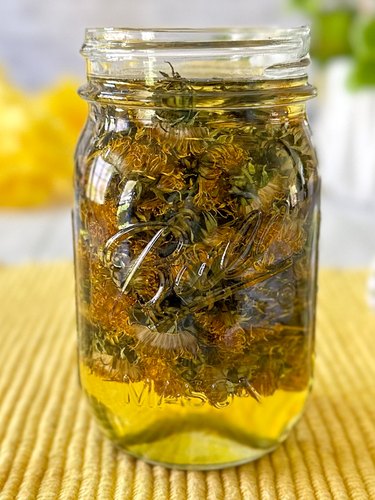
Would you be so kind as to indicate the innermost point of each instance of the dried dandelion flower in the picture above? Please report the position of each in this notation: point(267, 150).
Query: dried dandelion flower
point(116, 369)
point(107, 307)
point(187, 140)
point(218, 157)
point(211, 194)
point(164, 342)
point(164, 378)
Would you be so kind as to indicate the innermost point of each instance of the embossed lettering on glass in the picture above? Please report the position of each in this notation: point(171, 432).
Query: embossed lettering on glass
point(195, 223)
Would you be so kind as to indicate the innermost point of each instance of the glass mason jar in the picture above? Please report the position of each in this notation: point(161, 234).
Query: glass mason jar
point(195, 222)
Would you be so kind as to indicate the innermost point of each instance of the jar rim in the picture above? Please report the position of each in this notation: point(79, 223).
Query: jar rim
point(101, 39)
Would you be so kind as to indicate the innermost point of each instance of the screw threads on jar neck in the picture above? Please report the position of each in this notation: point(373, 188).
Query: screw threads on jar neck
point(210, 68)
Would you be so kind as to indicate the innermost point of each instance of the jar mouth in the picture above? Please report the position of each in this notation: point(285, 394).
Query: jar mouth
point(230, 57)
point(262, 37)
point(251, 53)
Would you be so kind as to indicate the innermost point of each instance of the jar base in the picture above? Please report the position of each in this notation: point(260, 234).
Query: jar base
point(220, 453)
point(190, 433)
point(253, 454)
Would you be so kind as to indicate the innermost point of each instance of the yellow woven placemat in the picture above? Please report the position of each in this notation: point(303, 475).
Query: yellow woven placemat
point(51, 448)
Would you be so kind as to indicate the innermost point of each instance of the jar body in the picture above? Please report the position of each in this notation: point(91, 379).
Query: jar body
point(195, 248)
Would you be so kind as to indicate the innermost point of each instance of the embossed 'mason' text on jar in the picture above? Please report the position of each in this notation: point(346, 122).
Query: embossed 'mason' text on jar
point(195, 223)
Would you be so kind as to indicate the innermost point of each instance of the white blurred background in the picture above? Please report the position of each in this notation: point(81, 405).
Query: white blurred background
point(39, 45)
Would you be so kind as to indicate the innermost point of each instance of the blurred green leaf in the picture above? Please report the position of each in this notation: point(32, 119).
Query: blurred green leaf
point(363, 37)
point(331, 33)
point(338, 29)
point(363, 74)
point(309, 6)
point(363, 42)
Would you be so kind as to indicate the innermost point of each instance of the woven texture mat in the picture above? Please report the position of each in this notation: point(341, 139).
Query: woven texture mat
point(51, 448)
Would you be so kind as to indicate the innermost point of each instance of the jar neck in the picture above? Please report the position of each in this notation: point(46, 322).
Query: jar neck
point(198, 95)
point(200, 69)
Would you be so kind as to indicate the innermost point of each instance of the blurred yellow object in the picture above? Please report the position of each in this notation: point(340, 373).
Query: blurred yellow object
point(37, 141)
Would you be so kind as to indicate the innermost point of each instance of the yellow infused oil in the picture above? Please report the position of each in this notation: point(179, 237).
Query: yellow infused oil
point(189, 431)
